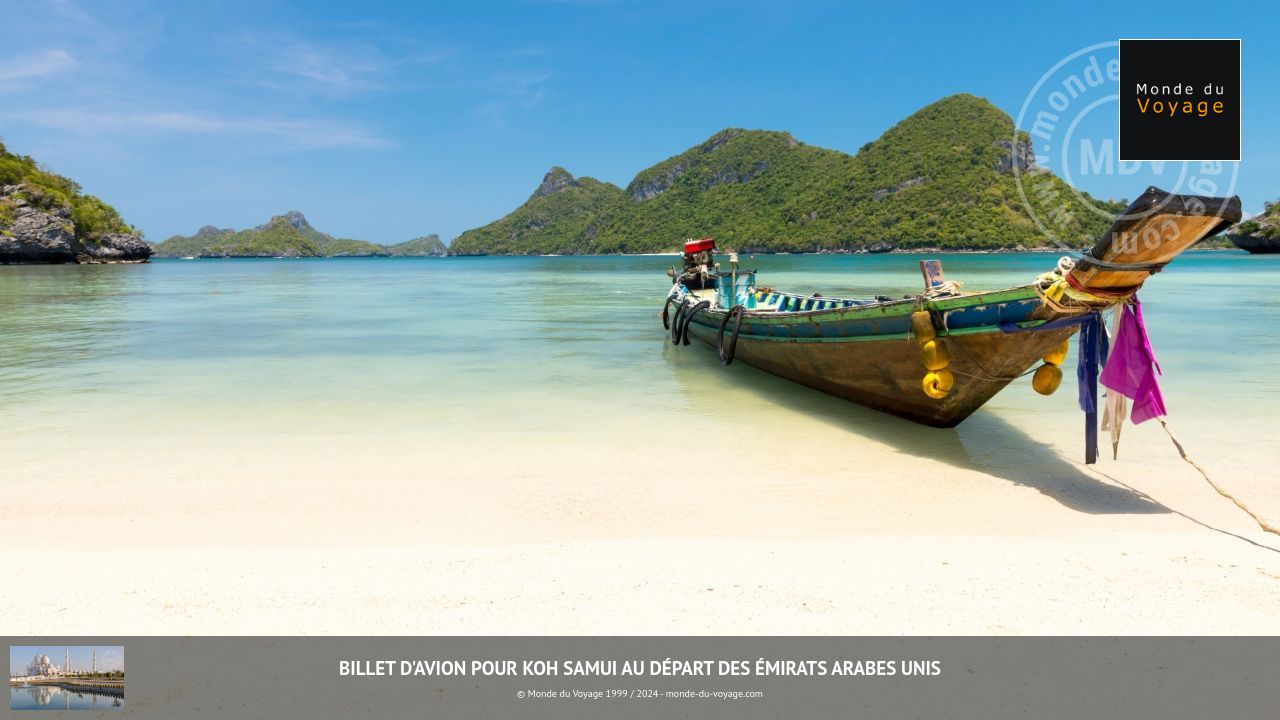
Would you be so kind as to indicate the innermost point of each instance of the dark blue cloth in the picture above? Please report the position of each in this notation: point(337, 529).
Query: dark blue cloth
point(1093, 356)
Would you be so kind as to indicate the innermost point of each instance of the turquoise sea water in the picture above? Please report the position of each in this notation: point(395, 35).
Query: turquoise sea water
point(172, 350)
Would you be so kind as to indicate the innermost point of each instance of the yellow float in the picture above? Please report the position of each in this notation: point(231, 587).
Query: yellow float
point(922, 326)
point(1047, 379)
point(938, 383)
point(935, 355)
point(1049, 376)
point(1057, 355)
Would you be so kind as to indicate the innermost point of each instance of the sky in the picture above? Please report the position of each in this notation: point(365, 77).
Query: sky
point(110, 657)
point(386, 121)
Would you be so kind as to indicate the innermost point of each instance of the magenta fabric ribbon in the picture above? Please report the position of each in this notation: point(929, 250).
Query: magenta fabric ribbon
point(1131, 369)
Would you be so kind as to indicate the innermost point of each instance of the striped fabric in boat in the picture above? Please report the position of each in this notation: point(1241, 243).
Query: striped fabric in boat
point(785, 302)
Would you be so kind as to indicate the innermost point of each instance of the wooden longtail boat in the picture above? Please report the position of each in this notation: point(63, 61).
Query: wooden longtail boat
point(874, 351)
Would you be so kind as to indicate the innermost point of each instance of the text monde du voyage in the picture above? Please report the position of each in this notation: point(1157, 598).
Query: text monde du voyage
point(1181, 99)
point(667, 667)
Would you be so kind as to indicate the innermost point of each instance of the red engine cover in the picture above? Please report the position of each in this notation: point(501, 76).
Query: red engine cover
point(693, 246)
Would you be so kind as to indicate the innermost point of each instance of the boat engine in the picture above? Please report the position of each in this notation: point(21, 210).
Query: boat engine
point(699, 271)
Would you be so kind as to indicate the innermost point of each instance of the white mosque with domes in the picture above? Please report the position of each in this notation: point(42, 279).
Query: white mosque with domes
point(42, 666)
point(46, 668)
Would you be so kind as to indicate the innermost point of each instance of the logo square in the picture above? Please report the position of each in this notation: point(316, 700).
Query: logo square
point(1180, 100)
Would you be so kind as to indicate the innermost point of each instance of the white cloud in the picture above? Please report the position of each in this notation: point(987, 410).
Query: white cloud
point(68, 9)
point(41, 64)
point(512, 93)
point(299, 133)
point(340, 67)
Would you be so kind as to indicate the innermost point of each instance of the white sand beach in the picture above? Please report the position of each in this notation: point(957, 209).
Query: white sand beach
point(547, 533)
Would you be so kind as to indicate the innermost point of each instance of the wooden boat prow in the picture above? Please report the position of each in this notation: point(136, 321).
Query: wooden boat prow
point(869, 351)
point(1152, 231)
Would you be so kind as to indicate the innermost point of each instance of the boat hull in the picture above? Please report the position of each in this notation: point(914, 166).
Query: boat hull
point(887, 374)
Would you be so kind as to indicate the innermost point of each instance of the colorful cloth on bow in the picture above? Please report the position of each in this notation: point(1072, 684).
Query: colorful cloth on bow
point(1131, 369)
point(1116, 407)
point(1092, 356)
point(1093, 353)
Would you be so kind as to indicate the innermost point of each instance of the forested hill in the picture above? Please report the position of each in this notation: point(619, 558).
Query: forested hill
point(287, 235)
point(941, 178)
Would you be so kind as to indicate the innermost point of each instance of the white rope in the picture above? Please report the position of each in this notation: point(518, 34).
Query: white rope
point(1268, 527)
point(949, 287)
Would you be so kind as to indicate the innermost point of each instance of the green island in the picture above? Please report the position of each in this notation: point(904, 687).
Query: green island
point(1258, 234)
point(45, 217)
point(288, 235)
point(1264, 225)
point(942, 178)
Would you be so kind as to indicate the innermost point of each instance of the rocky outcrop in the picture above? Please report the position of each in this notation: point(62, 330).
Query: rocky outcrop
point(1019, 154)
point(31, 233)
point(554, 181)
point(1260, 233)
point(729, 176)
point(663, 177)
point(881, 246)
point(886, 192)
point(293, 218)
point(113, 248)
point(656, 184)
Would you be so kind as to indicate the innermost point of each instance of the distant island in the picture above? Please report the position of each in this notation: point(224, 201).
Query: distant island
point(1259, 234)
point(45, 218)
point(942, 178)
point(288, 235)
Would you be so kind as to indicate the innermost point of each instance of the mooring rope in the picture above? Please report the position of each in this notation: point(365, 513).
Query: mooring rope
point(1268, 527)
point(991, 378)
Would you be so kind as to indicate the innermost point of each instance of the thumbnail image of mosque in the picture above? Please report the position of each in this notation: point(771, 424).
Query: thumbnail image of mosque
point(77, 678)
point(72, 662)
point(42, 666)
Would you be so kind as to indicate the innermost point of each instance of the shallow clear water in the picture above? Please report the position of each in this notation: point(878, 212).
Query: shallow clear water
point(175, 349)
point(52, 697)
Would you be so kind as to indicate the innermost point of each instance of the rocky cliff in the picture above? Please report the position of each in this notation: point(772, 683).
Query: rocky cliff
point(1260, 233)
point(44, 218)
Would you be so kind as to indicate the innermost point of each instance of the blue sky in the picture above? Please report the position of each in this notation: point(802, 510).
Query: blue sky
point(389, 120)
point(110, 657)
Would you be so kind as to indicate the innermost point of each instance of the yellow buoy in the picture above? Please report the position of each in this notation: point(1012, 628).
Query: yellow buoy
point(935, 355)
point(938, 383)
point(1047, 379)
point(946, 380)
point(1057, 355)
point(922, 326)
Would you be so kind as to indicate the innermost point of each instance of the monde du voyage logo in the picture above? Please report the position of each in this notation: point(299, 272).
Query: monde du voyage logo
point(1180, 100)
